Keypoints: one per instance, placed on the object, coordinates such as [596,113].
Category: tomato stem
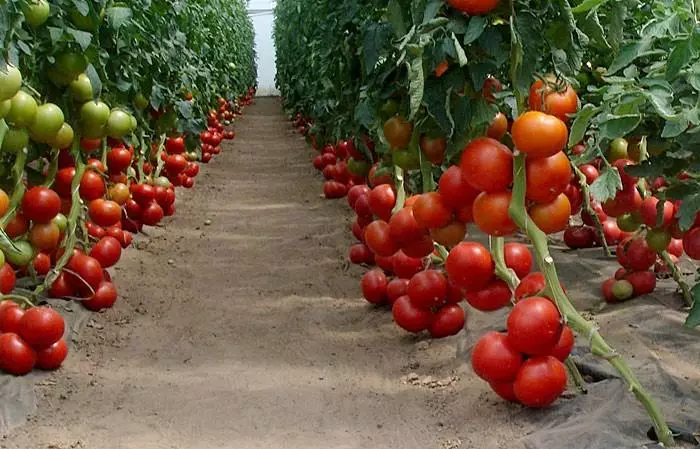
[19,298]
[678,277]
[583,327]
[400,190]
[576,375]
[18,190]
[497,245]
[53,168]
[586,192]
[159,161]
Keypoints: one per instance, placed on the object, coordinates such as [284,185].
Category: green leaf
[118,16]
[416,82]
[461,56]
[628,54]
[431,10]
[396,17]
[693,319]
[675,126]
[689,208]
[605,187]
[679,58]
[95,81]
[83,38]
[82,6]
[477,25]
[614,126]
[581,124]
[56,34]
[587,5]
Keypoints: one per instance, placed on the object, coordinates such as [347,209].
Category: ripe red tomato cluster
[30,338]
[343,167]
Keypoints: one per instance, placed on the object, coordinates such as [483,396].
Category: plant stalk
[678,277]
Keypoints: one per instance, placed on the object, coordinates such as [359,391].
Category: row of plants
[524,117]
[105,108]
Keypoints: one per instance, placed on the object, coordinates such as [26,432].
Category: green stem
[578,323]
[18,190]
[678,277]
[585,191]
[53,168]
[400,190]
[18,298]
[159,162]
[497,245]
[576,375]
[3,130]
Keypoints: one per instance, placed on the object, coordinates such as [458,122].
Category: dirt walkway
[249,333]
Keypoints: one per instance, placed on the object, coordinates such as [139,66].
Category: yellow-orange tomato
[539,135]
[552,217]
[119,193]
[498,127]
[490,212]
[4,203]
[441,68]
[557,101]
[44,236]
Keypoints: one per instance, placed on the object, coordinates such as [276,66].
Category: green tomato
[94,114]
[23,110]
[623,289]
[71,64]
[81,89]
[658,239]
[162,181]
[359,168]
[5,108]
[118,124]
[2,255]
[389,109]
[36,12]
[629,222]
[15,140]
[20,254]
[61,221]
[657,147]
[140,102]
[63,138]
[232,66]
[618,150]
[59,78]
[10,82]
[405,159]
[47,122]
[81,22]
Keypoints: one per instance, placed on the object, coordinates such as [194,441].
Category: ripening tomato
[454,189]
[491,213]
[382,178]
[600,213]
[494,296]
[40,204]
[16,356]
[433,148]
[491,85]
[540,381]
[404,266]
[41,327]
[539,135]
[104,212]
[498,127]
[398,131]
[378,238]
[92,186]
[382,200]
[44,236]
[409,317]
[104,298]
[518,258]
[559,101]
[18,226]
[119,193]
[373,285]
[449,235]
[494,360]
[487,165]
[547,177]
[534,326]
[4,203]
[427,289]
[470,266]
[643,282]
[52,358]
[431,211]
[552,217]
[447,321]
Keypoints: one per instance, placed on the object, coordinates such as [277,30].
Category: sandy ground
[250,333]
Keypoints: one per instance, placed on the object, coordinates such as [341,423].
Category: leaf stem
[585,191]
[678,277]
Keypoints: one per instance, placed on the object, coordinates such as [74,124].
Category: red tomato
[607,292]
[491,213]
[10,318]
[406,267]
[16,356]
[431,211]
[494,360]
[152,214]
[534,326]
[644,282]
[547,177]
[409,317]
[52,357]
[382,200]
[675,248]
[357,231]
[598,209]
[420,248]
[447,321]
[650,215]
[61,287]
[576,237]
[565,344]
[40,204]
[175,163]
[143,194]
[104,298]
[498,127]
[530,285]
[107,251]
[552,217]
[41,327]
[575,195]
[505,390]
[454,293]
[378,238]
[17,226]
[63,181]
[691,243]
[175,145]
[104,212]
[540,381]
[42,265]
[404,228]
[433,149]
[518,258]
[360,253]
[385,263]
[591,173]
[558,101]
[494,296]
[470,266]
[449,235]
[118,159]
[491,85]
[92,186]
[473,7]
[8,279]
[362,207]
[454,189]
[85,273]
[635,254]
[539,135]
[487,165]
[395,289]
[355,193]
[427,289]
[373,285]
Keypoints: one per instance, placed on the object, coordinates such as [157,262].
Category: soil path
[249,332]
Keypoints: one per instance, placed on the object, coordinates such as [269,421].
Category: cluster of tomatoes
[118,195]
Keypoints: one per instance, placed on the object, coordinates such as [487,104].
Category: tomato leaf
[431,10]
[83,38]
[395,14]
[581,124]
[416,84]
[628,54]
[117,16]
[82,7]
[689,208]
[587,5]
[605,187]
[612,126]
[693,319]
[461,56]
[675,126]
[679,58]
[477,25]
[95,81]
